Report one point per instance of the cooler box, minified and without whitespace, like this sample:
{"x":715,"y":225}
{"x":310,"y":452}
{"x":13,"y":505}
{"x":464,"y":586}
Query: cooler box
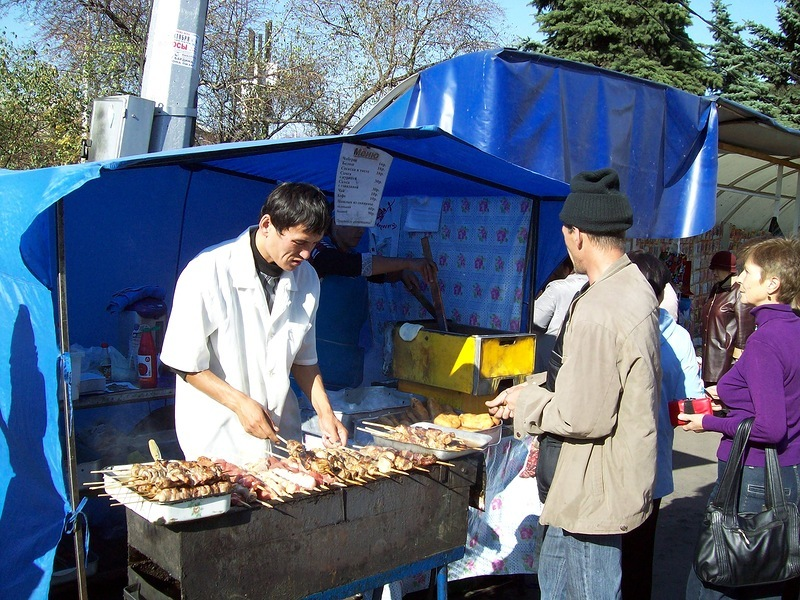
{"x":464,"y":366}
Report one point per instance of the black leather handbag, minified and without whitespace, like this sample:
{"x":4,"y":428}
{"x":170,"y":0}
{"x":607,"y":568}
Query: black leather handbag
{"x":736,"y":550}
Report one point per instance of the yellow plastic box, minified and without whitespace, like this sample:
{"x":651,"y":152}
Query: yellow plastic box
{"x":470,"y":360}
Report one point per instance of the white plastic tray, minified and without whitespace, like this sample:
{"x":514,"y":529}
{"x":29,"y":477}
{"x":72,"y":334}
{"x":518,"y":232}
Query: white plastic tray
{"x":156,"y":512}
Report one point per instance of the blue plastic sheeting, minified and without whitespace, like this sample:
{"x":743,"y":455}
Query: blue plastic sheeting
{"x":558,"y":118}
{"x":32,"y":492}
{"x":138,"y":221}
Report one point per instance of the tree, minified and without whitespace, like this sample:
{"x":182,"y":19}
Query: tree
{"x":645,"y":38}
{"x":736,"y":63}
{"x":780,"y":64}
{"x":363,"y":48}
{"x":40,"y":111}
{"x":310,"y":69}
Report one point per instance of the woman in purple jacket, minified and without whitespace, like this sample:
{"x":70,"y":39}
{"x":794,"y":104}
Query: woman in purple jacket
{"x":765,"y":384}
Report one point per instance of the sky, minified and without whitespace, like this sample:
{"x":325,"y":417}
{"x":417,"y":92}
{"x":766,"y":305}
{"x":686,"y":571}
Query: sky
{"x":520,"y":17}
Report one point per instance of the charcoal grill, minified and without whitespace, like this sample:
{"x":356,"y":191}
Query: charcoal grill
{"x":326,"y":546}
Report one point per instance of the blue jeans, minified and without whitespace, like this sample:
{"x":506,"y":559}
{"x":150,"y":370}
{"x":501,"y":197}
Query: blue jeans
{"x":574,"y":566}
{"x":751,"y":500}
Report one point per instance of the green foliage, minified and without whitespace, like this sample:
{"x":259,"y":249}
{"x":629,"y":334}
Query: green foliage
{"x":737,"y":65}
{"x":40,"y":111}
{"x":779,"y":62}
{"x":645,"y":38}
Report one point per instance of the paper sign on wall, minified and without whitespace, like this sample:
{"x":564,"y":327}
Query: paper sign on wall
{"x":360,"y":178}
{"x":423,"y":214}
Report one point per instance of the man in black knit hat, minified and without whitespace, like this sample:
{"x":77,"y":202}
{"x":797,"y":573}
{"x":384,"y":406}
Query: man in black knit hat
{"x":604,"y":401}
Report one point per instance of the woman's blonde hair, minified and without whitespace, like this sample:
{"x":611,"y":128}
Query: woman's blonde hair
{"x":779,"y":257}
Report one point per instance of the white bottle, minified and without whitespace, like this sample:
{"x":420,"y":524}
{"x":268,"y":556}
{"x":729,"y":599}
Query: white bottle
{"x":133,"y":352}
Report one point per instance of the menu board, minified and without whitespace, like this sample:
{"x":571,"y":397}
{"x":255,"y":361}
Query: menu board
{"x":360,"y":178}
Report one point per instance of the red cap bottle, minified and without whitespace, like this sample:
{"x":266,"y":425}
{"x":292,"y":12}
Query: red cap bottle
{"x":146,"y":362}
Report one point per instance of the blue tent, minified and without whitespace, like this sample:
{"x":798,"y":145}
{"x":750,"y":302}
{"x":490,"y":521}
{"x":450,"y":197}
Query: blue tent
{"x":142,"y":219}
{"x":561,"y":117}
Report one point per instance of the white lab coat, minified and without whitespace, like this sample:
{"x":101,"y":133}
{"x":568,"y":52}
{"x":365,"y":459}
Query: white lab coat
{"x":220,"y":321}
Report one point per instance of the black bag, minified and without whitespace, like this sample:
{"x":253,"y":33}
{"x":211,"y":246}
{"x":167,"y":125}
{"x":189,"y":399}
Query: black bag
{"x":736,"y":550}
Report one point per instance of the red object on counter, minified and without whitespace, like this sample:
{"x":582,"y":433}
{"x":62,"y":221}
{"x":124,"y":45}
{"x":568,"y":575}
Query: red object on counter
{"x":146,"y":361}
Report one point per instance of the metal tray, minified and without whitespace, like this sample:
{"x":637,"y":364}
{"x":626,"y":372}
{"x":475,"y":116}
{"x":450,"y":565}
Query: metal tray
{"x":164,"y":513}
{"x":475,"y":439}
{"x":442,"y":454}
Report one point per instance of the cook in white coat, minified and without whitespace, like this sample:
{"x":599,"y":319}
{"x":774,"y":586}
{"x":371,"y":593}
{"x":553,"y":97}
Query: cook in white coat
{"x":242,"y":319}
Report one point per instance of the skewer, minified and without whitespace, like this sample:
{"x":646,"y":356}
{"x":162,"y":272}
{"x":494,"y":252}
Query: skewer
{"x":423,"y":469}
{"x":390,"y":427}
{"x":374,"y":432}
{"x":262,"y":503}
{"x":446,"y":464}
{"x":282,"y":440}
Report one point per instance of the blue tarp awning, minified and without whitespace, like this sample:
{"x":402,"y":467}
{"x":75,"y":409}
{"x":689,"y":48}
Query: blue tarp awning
{"x":559,"y":117}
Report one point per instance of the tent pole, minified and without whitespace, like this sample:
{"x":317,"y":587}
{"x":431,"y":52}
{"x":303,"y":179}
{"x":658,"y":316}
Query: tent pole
{"x":797,"y":205}
{"x":69,"y":434}
{"x":531,"y":256}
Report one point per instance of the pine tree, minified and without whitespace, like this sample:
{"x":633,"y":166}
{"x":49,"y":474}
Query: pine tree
{"x":736,"y":64}
{"x":646,"y":38}
{"x":781,"y":60}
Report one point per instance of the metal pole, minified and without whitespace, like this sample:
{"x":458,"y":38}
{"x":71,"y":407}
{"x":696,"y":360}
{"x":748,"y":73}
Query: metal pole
{"x":172,"y":70}
{"x":69,"y":434}
{"x":797,"y":205}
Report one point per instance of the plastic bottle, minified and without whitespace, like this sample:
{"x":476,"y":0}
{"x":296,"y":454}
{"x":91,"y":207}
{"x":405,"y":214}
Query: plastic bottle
{"x":133,"y":353}
{"x":146,"y":362}
{"x":105,"y":362}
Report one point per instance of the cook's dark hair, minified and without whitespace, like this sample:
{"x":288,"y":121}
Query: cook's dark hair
{"x":654,"y":270}
{"x":298,"y":205}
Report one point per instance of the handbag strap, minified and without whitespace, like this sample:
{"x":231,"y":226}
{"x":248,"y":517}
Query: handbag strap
{"x":727,"y":497}
{"x":773,"y":486}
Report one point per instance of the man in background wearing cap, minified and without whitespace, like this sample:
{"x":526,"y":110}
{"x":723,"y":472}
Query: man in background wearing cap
{"x":726,"y":320}
{"x":604,"y":404}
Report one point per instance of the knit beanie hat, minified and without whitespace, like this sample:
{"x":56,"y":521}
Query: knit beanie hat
{"x":595,"y":204}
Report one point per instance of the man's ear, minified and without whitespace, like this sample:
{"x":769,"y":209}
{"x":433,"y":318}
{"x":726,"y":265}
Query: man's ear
{"x":263,"y":223}
{"x":579,"y":239}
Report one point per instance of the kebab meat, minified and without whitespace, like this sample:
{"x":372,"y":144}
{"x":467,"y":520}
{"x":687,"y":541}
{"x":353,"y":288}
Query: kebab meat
{"x":428,"y":437}
{"x":176,"y":480}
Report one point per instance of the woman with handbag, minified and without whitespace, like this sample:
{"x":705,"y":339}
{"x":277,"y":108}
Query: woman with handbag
{"x":764,"y":384}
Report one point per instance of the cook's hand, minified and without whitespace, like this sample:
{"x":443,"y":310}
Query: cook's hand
{"x":333,"y":432}
{"x":695,"y":422}
{"x":504,"y":404}
{"x":410,"y":280}
{"x":424,"y":267}
{"x":256,"y":421}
